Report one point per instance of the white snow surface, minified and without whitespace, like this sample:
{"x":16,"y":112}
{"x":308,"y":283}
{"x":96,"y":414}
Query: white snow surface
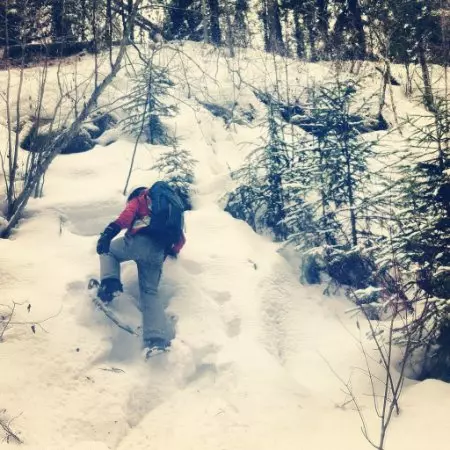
{"x":257,"y":357}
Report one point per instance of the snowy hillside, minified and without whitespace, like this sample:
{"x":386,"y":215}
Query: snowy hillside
{"x":257,"y":358}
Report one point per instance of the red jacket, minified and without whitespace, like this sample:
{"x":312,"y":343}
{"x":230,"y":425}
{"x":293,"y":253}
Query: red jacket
{"x":136,"y":216}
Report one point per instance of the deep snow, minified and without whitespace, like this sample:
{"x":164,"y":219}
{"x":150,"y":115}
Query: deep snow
{"x":256,"y":355}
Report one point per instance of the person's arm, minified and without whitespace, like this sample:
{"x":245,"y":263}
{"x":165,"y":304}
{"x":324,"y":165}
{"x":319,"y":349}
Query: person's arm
{"x":126,"y":217}
{"x":124,"y":220}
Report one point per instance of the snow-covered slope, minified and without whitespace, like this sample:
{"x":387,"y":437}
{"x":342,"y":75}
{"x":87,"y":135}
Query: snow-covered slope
{"x":256,"y":356}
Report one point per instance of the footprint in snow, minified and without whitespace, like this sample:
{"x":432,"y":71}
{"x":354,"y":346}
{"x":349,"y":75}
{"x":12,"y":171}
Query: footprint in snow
{"x":194,"y":268}
{"x":221,"y":297}
{"x":233,"y":327}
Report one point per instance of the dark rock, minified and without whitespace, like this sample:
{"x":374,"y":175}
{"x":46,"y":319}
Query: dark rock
{"x":232,"y":114}
{"x":218,"y":111}
{"x":311,"y":270}
{"x":289,"y":112}
{"x":37,"y":140}
{"x":103,"y":122}
{"x":79,"y":144}
{"x":94,"y":132}
{"x":296,"y":114}
{"x":34,"y":142}
{"x":349,"y":269}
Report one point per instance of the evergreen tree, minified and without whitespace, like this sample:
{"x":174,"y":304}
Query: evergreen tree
{"x":64,"y":17}
{"x":261,"y":181}
{"x":246,"y":202}
{"x":424,"y":193}
{"x":408,"y":27}
{"x":275,"y":161}
{"x":23,"y":21}
{"x":176,"y":166}
{"x":339,"y":157}
{"x":300,"y":220}
{"x":146,"y":104}
{"x":326,"y":183}
{"x":421,"y":236}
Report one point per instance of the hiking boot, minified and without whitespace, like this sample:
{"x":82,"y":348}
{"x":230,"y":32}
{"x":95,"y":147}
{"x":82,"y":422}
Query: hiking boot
{"x":109,"y":288}
{"x":155,"y":346}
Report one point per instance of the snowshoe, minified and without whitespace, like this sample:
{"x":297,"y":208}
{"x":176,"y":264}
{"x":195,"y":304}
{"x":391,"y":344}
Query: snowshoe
{"x":155,"y":347}
{"x":104,"y":307}
{"x":108,"y":289}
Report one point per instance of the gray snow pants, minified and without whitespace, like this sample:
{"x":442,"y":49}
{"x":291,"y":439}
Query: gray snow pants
{"x":149,"y":258}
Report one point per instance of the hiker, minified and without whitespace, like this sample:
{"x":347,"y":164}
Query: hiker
{"x":154,"y":222}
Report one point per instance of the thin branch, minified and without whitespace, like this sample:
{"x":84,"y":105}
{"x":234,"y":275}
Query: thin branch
{"x":10,"y":434}
{"x":349,"y":391}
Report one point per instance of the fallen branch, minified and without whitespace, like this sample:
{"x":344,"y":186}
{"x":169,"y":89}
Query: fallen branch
{"x":10,"y":434}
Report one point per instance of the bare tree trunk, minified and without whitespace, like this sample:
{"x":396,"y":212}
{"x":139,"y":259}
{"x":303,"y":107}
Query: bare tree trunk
{"x":428,"y":98}
{"x":109,"y":28}
{"x":123,"y":14}
{"x":357,"y":24}
{"x":322,"y":23}
{"x":205,"y":22}
{"x":10,"y":194}
{"x":59,"y":21}
{"x":230,"y":34}
{"x":95,"y":41}
{"x":309,"y":19}
{"x":351,"y":201}
{"x":274,"y":33}
{"x":83,"y":20}
{"x":299,"y":35}
{"x":130,"y":11}
{"x":214,"y":13}
{"x":240,"y":22}
{"x":408,"y":86}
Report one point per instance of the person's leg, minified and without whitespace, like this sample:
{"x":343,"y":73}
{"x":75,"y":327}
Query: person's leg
{"x":149,"y":257}
{"x":119,"y":251}
{"x":154,"y":324}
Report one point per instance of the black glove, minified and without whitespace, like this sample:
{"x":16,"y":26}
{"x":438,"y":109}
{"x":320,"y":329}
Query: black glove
{"x":106,"y":237}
